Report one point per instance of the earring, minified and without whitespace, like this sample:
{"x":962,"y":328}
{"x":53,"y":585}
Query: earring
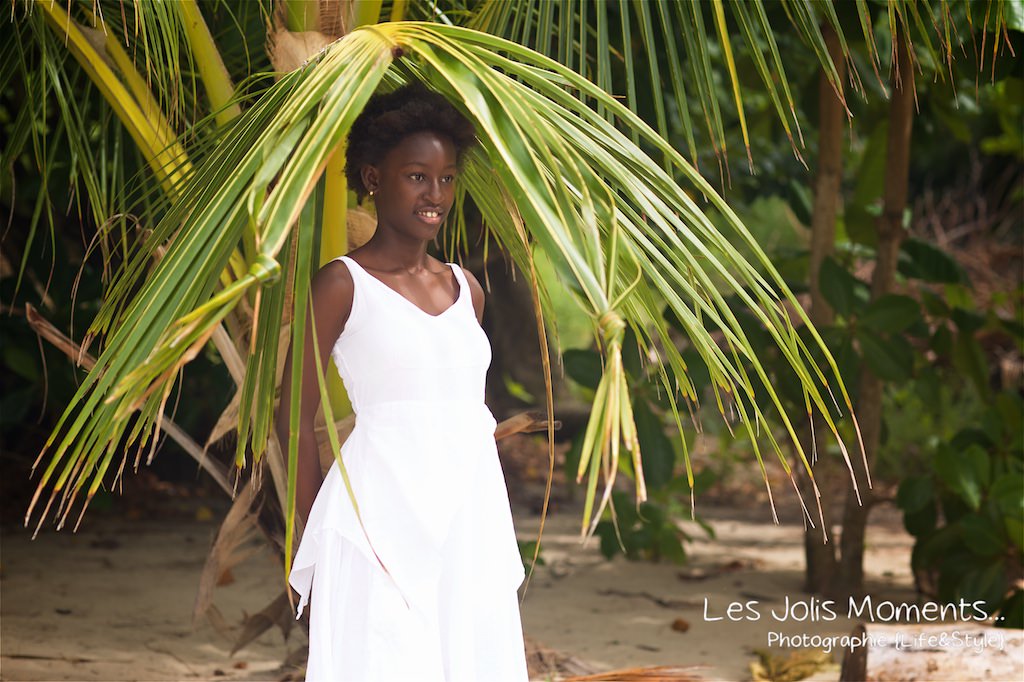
{"x":371,"y":193}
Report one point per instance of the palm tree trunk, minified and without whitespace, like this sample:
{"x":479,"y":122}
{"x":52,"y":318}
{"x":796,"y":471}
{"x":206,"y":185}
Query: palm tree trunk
{"x":890,"y":234}
{"x":820,"y":558}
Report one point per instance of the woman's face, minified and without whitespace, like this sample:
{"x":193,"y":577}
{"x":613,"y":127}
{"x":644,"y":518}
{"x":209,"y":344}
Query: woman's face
{"x":414,"y":184}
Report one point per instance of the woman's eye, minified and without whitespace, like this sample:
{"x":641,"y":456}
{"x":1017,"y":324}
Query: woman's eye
{"x":448,"y":178}
{"x":418,"y":177}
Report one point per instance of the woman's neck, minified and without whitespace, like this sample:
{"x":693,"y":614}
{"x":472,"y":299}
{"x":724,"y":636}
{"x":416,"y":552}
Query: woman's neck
{"x":395,"y":252}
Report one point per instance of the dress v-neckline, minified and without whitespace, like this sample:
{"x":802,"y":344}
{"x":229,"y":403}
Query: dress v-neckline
{"x":458,"y":282}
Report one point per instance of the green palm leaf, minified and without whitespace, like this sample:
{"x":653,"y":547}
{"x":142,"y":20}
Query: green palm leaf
{"x":553,"y":174}
{"x":669,"y":45}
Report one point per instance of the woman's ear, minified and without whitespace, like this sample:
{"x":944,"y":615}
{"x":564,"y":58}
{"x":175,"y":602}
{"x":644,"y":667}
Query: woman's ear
{"x":371,"y":178}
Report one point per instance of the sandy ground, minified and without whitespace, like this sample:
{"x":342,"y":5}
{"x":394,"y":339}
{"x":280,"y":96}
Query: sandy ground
{"x":114,"y":602}
{"x":620,"y":614}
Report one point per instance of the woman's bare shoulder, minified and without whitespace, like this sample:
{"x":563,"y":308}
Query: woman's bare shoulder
{"x":333,"y":288}
{"x":333,"y":277}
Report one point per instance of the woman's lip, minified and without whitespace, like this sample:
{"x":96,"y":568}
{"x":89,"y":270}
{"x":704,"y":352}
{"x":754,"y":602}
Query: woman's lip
{"x":431,"y":219}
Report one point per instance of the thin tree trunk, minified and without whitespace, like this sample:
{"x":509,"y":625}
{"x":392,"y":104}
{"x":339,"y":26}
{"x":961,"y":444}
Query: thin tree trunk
{"x":820,"y":558}
{"x":890,"y":234}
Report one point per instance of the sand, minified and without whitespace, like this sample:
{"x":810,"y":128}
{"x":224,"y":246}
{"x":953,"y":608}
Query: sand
{"x":114,"y":602}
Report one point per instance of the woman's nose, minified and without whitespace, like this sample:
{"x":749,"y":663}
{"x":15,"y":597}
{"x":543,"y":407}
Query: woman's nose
{"x":433,"y":190}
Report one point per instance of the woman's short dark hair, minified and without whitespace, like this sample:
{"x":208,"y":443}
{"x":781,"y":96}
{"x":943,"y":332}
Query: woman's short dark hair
{"x":390,"y":117}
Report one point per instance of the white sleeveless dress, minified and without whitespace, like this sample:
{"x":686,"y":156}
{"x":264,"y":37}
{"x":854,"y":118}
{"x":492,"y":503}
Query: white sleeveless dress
{"x":425,"y":472}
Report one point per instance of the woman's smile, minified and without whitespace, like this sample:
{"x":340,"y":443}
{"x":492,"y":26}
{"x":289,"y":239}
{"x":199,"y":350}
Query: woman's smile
{"x":431,"y":216}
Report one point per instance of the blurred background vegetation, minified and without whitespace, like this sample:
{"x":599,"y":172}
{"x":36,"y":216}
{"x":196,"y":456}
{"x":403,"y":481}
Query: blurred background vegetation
{"x":942,"y":344}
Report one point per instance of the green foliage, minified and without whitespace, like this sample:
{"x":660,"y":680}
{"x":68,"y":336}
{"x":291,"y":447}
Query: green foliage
{"x":526,"y":550}
{"x":953,"y":439}
{"x":928,"y":263}
{"x":646,"y":532}
{"x":965,"y":505}
{"x":660,"y":454}
{"x":649,"y":532}
{"x":967,"y":515}
{"x":844,"y":292}
{"x":617,"y":232}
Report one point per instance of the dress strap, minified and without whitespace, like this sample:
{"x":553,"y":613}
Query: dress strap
{"x":359,"y":293}
{"x":465,"y":293}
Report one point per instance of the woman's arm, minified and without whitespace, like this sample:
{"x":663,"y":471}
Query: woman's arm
{"x":331,"y":295}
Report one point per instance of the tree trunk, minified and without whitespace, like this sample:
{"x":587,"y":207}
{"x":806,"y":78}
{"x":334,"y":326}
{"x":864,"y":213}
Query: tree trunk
{"x":820,"y":558}
{"x":890,"y":234}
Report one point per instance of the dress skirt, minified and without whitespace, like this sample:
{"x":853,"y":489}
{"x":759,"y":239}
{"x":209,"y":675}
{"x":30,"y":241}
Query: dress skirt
{"x":428,"y":591}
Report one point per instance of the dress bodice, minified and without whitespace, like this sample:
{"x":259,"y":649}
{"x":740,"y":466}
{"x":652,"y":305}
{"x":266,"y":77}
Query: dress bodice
{"x":393,"y":351}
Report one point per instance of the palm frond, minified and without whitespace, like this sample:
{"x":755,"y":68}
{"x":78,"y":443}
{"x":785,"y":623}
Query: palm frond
{"x":667,"y":46}
{"x":553,"y":174}
{"x":56,"y":49}
{"x":677,"y":49}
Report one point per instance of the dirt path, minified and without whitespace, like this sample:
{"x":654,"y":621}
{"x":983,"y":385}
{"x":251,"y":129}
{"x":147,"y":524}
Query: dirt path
{"x":621,"y":614}
{"x":114,"y":602}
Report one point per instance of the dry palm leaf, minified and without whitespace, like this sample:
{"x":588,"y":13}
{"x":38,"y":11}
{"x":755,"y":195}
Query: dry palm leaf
{"x":238,"y":527}
{"x":278,"y":612}
{"x":524,"y":422}
{"x":77,"y":353}
{"x":655,"y":673}
{"x":798,"y":665}
{"x":343,"y":427}
{"x":360,"y":226}
{"x":545,"y":663}
{"x":226,"y":424}
{"x":217,"y":620}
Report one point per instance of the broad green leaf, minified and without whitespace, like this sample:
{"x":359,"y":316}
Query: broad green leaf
{"x":1010,"y":408}
{"x":891,"y":313}
{"x":696,"y":369}
{"x":969,"y":359}
{"x":632,"y":359}
{"x":1015,"y":530}
{"x":844,"y":292}
{"x":1011,"y":613}
{"x":583,"y":366}
{"x":659,"y":454}
{"x":921,"y":522}
{"x":862,"y":210}
{"x":966,"y":471}
{"x":915,"y":493}
{"x":941,"y":342}
{"x":987,"y":581}
{"x":967,"y":321}
{"x":1007,"y":492}
{"x":933,"y":303}
{"x":932,"y":548}
{"x":20,"y":361}
{"x":890,"y":357}
{"x":670,"y":547}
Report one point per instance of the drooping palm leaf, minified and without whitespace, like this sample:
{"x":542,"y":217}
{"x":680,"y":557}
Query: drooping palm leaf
{"x":680,"y":49}
{"x":154,"y":66}
{"x":620,"y":232}
{"x":667,"y":46}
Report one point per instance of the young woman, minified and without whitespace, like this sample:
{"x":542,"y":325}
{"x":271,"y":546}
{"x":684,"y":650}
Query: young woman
{"x":428,"y":591}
